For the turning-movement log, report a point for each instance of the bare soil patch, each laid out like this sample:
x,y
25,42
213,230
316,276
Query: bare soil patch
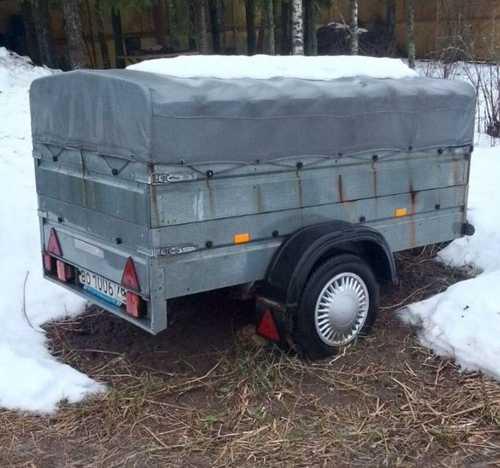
x,y
207,393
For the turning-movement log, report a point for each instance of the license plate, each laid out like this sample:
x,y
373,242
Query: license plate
x,y
102,287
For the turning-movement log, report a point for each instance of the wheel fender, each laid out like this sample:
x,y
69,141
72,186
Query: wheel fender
x,y
299,255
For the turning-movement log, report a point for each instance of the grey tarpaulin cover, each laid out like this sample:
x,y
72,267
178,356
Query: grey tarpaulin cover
x,y
151,117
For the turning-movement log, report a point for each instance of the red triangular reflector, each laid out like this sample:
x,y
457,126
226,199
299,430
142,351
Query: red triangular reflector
x,y
267,327
53,246
129,277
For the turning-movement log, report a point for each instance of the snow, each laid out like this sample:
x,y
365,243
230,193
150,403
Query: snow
x,y
267,66
30,377
482,250
463,322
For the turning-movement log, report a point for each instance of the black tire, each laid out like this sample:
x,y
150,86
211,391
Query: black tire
x,y
307,340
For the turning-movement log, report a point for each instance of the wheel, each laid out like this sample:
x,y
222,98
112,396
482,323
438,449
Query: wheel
x,y
338,305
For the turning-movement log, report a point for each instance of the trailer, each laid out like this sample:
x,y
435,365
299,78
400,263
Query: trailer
x,y
153,187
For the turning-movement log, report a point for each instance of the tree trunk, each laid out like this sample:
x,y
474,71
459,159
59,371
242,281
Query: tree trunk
x,y
203,40
297,28
90,45
31,41
437,25
250,24
286,33
41,20
192,29
276,25
215,22
354,28
116,22
101,35
173,30
159,23
310,40
390,17
268,21
73,31
410,32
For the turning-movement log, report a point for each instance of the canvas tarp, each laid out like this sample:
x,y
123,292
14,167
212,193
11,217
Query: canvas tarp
x,y
144,116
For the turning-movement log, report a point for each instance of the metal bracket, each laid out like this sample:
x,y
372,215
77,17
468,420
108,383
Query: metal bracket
x,y
169,178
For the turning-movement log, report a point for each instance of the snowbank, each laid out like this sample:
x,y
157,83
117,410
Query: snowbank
x,y
30,378
268,66
463,323
482,250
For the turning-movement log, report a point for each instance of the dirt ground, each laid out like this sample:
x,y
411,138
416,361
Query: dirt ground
x,y
207,393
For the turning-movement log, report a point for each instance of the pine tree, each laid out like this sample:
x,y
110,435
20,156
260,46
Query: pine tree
x,y
75,45
250,26
116,23
41,23
101,35
268,21
159,22
203,41
217,24
311,8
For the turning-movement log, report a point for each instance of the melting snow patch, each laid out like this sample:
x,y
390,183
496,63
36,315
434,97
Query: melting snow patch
x,y
269,66
30,378
482,250
463,323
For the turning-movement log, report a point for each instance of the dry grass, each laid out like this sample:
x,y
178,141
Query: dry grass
x,y
384,402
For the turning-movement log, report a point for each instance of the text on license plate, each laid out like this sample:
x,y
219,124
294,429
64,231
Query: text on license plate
x,y
102,287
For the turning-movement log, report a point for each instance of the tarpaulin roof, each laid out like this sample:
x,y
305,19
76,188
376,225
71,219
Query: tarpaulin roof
x,y
150,117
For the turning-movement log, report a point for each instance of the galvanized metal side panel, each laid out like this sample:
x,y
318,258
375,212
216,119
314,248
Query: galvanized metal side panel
x,y
98,225
113,197
338,181
261,226
420,230
233,265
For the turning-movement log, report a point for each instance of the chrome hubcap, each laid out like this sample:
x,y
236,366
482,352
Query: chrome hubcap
x,y
341,309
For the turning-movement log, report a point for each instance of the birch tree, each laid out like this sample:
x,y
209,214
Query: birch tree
x,y
354,27
297,28
75,45
410,32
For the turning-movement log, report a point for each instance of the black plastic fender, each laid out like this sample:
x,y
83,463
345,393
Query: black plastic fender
x,y
308,247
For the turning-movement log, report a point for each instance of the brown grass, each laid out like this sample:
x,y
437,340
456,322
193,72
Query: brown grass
x,y
384,402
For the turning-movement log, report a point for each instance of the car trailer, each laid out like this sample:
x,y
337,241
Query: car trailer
x,y
153,187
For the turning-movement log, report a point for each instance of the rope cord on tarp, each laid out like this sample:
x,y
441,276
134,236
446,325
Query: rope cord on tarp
x,y
298,161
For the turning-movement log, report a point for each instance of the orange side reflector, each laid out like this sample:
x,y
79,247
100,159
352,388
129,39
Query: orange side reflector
x,y
399,212
241,238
